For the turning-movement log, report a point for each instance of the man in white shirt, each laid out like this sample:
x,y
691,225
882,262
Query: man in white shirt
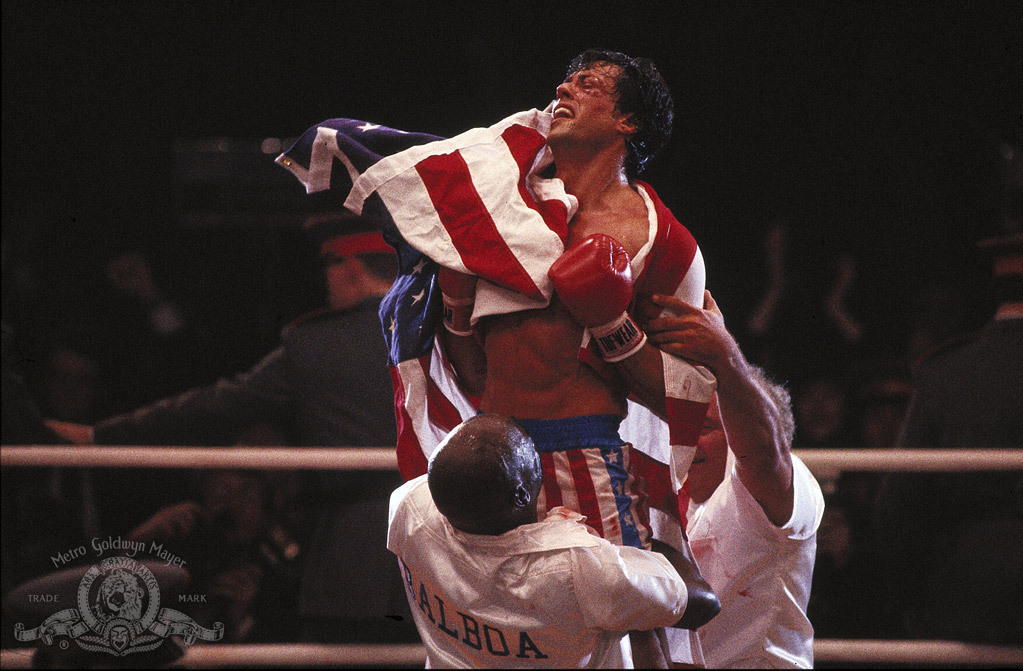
x,y
755,508
492,586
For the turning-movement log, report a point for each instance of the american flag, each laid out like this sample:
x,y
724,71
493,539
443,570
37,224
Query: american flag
x,y
476,203
442,202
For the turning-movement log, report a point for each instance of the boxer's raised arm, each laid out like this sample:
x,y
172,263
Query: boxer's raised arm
x,y
461,344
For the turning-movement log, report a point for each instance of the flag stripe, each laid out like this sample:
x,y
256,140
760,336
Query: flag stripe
x,y
411,460
683,504
551,491
416,403
673,266
672,252
467,220
441,411
497,169
656,481
524,143
407,203
636,493
685,420
586,495
443,375
608,479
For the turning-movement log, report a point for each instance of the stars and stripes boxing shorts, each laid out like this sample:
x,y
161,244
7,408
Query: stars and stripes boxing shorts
x,y
587,468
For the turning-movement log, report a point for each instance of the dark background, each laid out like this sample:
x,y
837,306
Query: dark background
x,y
877,133
871,128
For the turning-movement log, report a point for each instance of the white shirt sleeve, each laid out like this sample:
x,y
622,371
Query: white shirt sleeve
x,y
807,505
397,514
623,588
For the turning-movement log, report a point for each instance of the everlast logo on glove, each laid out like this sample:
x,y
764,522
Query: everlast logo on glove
x,y
618,339
594,280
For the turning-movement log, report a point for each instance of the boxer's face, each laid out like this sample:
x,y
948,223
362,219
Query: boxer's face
x,y
708,467
587,106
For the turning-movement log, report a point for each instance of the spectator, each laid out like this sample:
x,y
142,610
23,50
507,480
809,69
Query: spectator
x,y
938,314
953,541
153,345
846,591
327,384
242,572
823,412
36,519
808,316
881,401
72,388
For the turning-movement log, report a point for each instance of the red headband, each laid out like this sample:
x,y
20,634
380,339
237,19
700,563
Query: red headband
x,y
359,243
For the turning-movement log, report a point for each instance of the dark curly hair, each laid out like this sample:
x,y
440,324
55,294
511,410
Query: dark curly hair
x,y
642,92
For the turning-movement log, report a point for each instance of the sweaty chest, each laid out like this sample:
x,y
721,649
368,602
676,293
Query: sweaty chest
x,y
631,230
550,334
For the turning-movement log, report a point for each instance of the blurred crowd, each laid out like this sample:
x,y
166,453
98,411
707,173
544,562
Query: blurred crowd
x,y
111,328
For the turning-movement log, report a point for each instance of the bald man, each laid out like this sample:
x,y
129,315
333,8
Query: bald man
x,y
490,585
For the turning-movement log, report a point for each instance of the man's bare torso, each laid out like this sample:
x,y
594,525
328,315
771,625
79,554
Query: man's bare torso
x,y
533,365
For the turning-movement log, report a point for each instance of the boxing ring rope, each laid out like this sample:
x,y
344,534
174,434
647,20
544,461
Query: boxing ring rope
x,y
822,462
296,655
826,464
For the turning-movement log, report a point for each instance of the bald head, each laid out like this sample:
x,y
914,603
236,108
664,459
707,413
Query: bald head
x,y
486,475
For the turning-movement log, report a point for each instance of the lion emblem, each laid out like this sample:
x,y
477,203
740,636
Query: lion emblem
x,y
119,596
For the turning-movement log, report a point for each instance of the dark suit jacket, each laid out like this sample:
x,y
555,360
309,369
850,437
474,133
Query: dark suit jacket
x,y
328,381
952,542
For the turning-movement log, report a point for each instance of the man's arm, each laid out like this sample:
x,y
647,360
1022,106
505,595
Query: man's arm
x,y
593,278
755,412
623,588
703,604
643,373
194,416
461,344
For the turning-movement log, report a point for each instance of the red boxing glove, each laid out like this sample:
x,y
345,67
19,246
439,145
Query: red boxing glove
x,y
594,280
458,291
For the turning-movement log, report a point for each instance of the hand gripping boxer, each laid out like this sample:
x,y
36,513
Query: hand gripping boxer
x,y
594,280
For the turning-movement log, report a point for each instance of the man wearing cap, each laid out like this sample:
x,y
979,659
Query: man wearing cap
x,y
327,384
953,541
